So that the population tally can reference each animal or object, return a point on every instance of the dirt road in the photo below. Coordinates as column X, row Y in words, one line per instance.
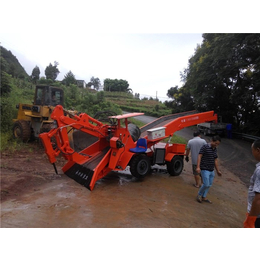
column 31, row 196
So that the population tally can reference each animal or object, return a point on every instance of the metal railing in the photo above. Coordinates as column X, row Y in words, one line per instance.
column 245, row 136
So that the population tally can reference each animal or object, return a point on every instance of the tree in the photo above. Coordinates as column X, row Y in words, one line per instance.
column 69, row 79
column 172, row 91
column 181, row 99
column 95, row 82
column 52, row 72
column 35, row 74
column 224, row 75
column 116, row 85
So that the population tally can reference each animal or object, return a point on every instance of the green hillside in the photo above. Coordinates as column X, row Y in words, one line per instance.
column 127, row 102
column 11, row 65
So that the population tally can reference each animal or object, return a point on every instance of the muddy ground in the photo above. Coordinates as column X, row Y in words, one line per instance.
column 33, row 196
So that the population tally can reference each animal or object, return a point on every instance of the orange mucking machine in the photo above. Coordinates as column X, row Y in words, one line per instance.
column 102, row 148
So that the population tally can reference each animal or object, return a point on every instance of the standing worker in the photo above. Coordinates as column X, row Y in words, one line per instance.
column 253, row 204
column 194, row 146
column 207, row 160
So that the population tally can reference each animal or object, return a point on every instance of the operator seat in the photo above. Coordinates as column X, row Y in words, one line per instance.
column 141, row 146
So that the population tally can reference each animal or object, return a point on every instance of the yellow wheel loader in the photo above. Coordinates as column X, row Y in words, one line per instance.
column 33, row 119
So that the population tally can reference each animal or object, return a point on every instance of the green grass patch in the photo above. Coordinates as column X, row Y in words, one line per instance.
column 10, row 145
column 175, row 140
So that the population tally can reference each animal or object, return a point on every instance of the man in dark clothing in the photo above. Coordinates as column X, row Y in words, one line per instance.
column 207, row 160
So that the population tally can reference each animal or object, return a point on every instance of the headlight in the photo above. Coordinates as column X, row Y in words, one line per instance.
column 36, row 109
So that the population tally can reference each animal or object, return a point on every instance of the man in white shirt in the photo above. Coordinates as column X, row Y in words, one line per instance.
column 194, row 146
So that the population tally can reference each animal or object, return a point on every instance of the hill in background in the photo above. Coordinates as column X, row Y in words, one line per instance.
column 126, row 101
column 129, row 103
column 11, row 65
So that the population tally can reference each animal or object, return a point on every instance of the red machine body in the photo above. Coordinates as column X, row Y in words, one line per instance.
column 115, row 147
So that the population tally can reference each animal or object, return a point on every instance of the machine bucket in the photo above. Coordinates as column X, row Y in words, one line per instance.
column 80, row 174
column 83, row 173
column 82, row 140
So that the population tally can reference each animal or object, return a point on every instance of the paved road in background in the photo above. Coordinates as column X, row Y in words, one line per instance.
column 234, row 154
column 144, row 119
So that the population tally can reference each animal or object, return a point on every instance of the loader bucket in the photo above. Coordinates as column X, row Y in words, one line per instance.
column 81, row 174
column 82, row 140
column 89, row 172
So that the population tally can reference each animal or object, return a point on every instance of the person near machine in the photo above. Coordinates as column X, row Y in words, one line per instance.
column 207, row 160
column 253, row 204
column 194, row 146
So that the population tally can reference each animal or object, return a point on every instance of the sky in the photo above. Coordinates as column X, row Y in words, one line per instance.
column 143, row 42
column 151, row 63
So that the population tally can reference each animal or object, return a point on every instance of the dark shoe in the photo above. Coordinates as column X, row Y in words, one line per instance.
column 199, row 199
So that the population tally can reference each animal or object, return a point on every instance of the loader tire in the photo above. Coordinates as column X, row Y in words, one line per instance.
column 175, row 166
column 140, row 166
column 22, row 130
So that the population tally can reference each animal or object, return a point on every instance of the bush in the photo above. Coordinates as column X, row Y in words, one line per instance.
column 5, row 140
column 6, row 114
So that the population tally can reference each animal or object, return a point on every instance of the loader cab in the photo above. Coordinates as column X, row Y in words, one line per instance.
column 48, row 96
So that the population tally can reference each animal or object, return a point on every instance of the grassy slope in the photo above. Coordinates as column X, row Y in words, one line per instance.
column 127, row 102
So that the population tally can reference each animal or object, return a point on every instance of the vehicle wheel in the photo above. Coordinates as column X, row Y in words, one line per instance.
column 175, row 166
column 140, row 166
column 22, row 130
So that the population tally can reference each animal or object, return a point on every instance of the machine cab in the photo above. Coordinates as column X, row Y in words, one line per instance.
column 48, row 96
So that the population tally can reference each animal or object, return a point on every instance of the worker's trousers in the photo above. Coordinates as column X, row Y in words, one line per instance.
column 207, row 178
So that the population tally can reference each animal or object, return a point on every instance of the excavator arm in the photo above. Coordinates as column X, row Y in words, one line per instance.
column 60, row 134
